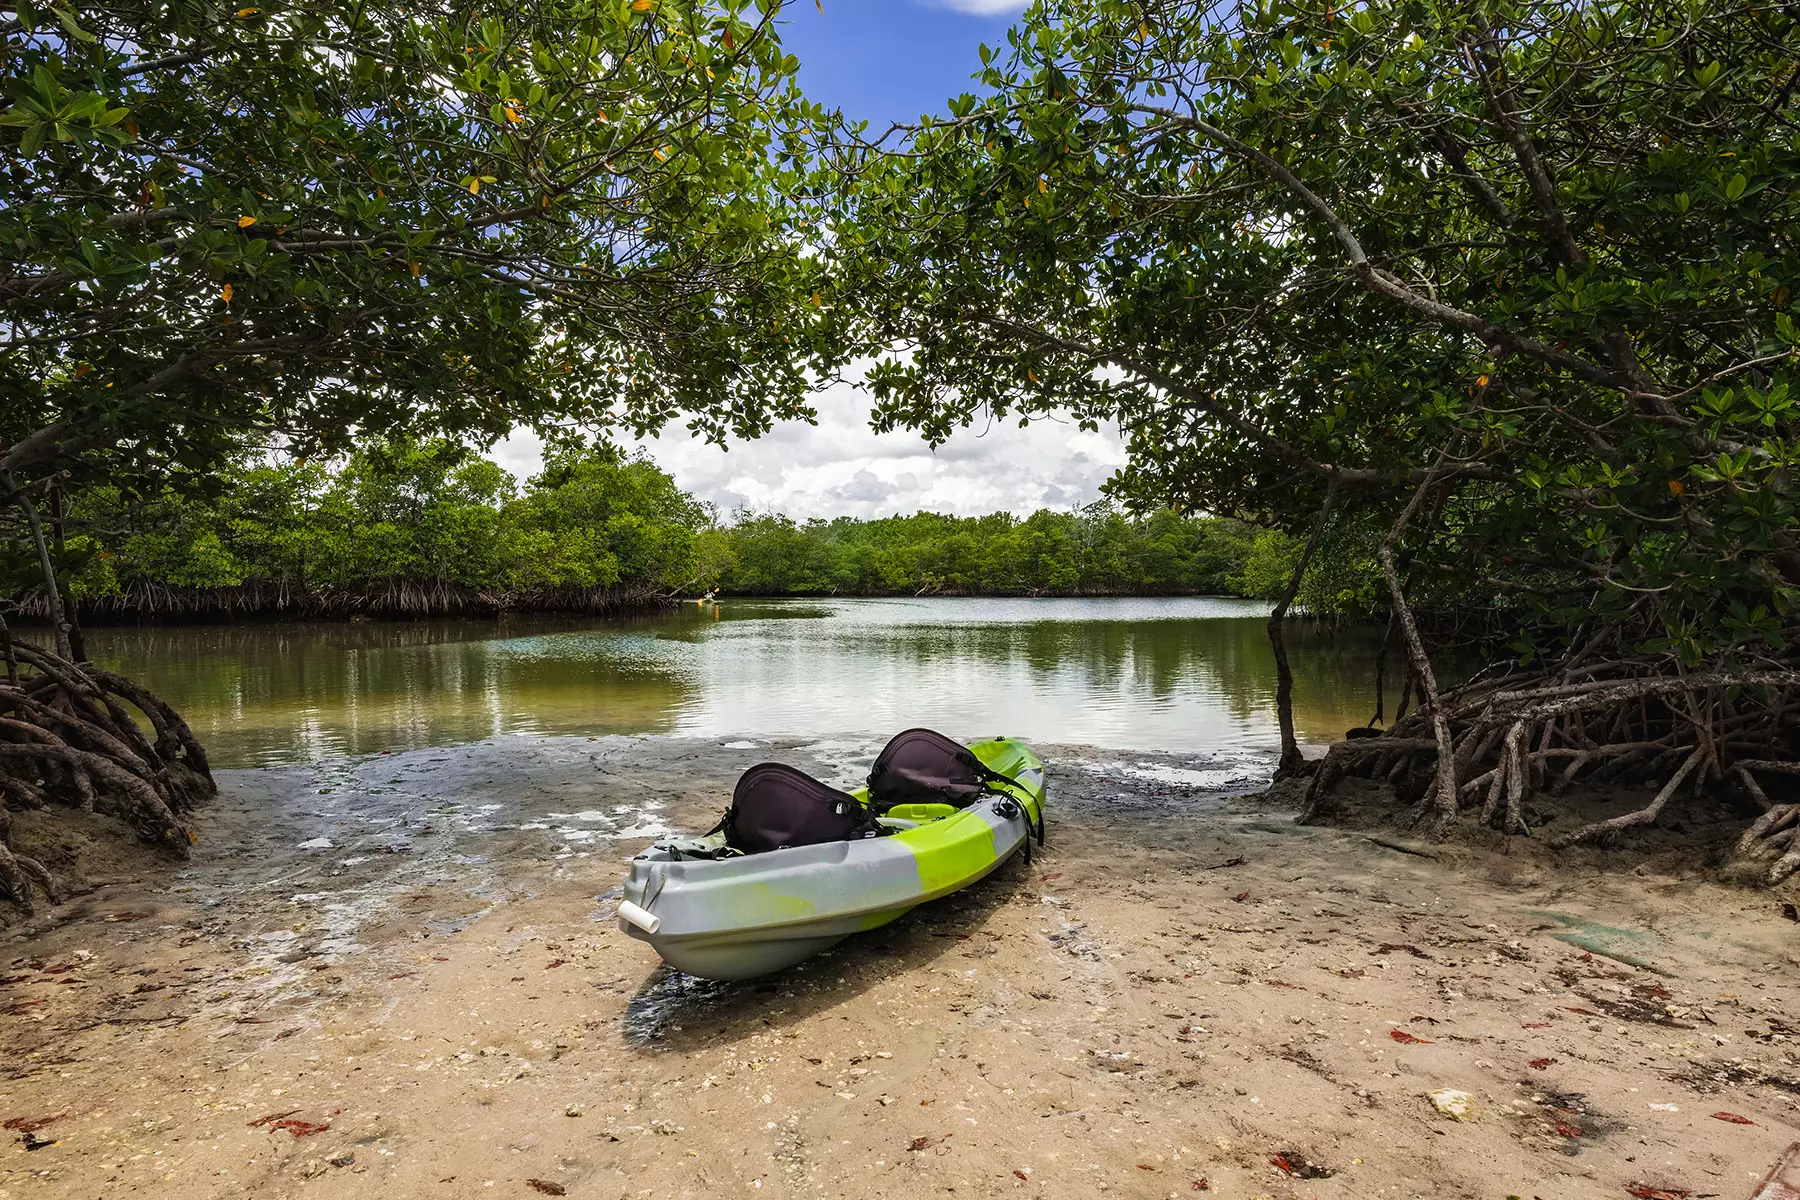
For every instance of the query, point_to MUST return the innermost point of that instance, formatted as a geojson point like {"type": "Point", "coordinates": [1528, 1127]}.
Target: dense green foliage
{"type": "Point", "coordinates": [328, 220]}
{"type": "Point", "coordinates": [401, 528]}
{"type": "Point", "coordinates": [1532, 259]}
{"type": "Point", "coordinates": [1097, 551]}
{"type": "Point", "coordinates": [396, 528]}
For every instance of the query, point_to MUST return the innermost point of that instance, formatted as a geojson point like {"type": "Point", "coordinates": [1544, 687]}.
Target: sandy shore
{"type": "Point", "coordinates": [400, 977]}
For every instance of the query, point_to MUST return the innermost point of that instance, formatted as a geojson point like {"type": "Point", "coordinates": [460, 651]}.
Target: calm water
{"type": "Point", "coordinates": [1179, 674]}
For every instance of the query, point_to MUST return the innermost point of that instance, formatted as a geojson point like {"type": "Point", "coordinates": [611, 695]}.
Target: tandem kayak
{"type": "Point", "coordinates": [744, 915]}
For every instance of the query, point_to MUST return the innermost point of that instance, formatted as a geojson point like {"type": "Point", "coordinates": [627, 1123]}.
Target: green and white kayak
{"type": "Point", "coordinates": [747, 915]}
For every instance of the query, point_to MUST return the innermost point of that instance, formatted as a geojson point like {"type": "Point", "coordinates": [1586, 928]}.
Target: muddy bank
{"type": "Point", "coordinates": [399, 976]}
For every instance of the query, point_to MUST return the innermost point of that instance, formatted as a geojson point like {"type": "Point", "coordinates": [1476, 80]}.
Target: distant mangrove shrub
{"type": "Point", "coordinates": [417, 529]}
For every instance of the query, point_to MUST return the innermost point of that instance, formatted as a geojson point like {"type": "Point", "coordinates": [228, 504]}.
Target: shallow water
{"type": "Point", "coordinates": [1189, 674]}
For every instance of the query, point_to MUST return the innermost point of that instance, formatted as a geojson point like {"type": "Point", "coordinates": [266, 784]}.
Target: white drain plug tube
{"type": "Point", "coordinates": [643, 918]}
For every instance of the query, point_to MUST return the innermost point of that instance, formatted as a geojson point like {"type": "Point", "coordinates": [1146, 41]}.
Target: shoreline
{"type": "Point", "coordinates": [1186, 987]}
{"type": "Point", "coordinates": [229, 607]}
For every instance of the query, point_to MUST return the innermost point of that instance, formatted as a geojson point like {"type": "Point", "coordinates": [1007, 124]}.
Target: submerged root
{"type": "Point", "coordinates": [69, 741]}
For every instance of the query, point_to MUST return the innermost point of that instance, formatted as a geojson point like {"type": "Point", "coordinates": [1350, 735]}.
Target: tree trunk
{"type": "Point", "coordinates": [77, 643]}
{"type": "Point", "coordinates": [1292, 761]}
{"type": "Point", "coordinates": [52, 596]}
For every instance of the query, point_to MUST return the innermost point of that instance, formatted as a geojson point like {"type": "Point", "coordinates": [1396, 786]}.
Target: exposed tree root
{"type": "Point", "coordinates": [67, 739]}
{"type": "Point", "coordinates": [1777, 831]}
{"type": "Point", "coordinates": [1488, 748]}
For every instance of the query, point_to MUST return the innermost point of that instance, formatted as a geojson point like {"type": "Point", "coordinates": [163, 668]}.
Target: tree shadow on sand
{"type": "Point", "coordinates": [672, 1010]}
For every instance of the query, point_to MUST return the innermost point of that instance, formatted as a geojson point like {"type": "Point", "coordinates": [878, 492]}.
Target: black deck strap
{"type": "Point", "coordinates": [992, 776]}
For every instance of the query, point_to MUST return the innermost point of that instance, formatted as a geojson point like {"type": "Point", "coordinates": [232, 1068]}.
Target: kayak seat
{"type": "Point", "coordinates": [921, 767]}
{"type": "Point", "coordinates": [776, 807]}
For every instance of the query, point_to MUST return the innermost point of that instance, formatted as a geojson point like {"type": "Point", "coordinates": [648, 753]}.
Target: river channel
{"type": "Point", "coordinates": [1186, 674]}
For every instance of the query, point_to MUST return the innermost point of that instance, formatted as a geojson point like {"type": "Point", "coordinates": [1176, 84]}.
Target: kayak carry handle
{"type": "Point", "coordinates": [643, 918]}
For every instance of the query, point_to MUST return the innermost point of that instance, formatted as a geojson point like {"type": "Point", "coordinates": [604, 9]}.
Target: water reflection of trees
{"type": "Point", "coordinates": [260, 693]}
{"type": "Point", "coordinates": [1226, 659]}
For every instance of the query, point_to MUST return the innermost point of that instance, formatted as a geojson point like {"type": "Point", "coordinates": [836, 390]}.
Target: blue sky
{"type": "Point", "coordinates": [883, 61]}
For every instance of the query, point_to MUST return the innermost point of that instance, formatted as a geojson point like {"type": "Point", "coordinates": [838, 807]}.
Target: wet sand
{"type": "Point", "coordinates": [400, 976]}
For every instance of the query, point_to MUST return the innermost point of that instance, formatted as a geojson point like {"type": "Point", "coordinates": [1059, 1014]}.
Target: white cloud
{"type": "Point", "coordinates": [840, 467]}
{"type": "Point", "coordinates": [982, 8]}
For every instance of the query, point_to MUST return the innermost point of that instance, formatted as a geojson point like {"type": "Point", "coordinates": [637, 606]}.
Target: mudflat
{"type": "Point", "coordinates": [401, 976]}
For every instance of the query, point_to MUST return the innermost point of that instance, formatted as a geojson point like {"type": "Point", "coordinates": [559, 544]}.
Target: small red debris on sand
{"type": "Point", "coordinates": [1145, 1167]}
{"type": "Point", "coordinates": [556, 963]}
{"type": "Point", "coordinates": [1644, 1191]}
{"type": "Point", "coordinates": [284, 1120]}
{"type": "Point", "coordinates": [918, 1143]}
{"type": "Point", "coordinates": [1566, 1129]}
{"type": "Point", "coordinates": [1240, 897]}
{"type": "Point", "coordinates": [1718, 1116]}
{"type": "Point", "coordinates": [1202, 1184]}
{"type": "Point", "coordinates": [1049, 877]}
{"type": "Point", "coordinates": [1021, 1174]}
{"type": "Point", "coordinates": [546, 1187]}
{"type": "Point", "coordinates": [439, 958]}
{"type": "Point", "coordinates": [33, 1124]}
{"type": "Point", "coordinates": [1296, 1164]}
{"type": "Point", "coordinates": [1538, 1064]}
{"type": "Point", "coordinates": [1407, 1039]}
{"type": "Point", "coordinates": [301, 1129]}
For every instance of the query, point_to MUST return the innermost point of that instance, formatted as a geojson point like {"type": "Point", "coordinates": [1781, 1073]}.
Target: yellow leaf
{"type": "Point", "coordinates": [415, 269]}
{"type": "Point", "coordinates": [246, 222]}
{"type": "Point", "coordinates": [1031, 374]}
{"type": "Point", "coordinates": [642, 5]}
{"type": "Point", "coordinates": [1042, 185]}
{"type": "Point", "coordinates": [247, 12]}
{"type": "Point", "coordinates": [662, 154]}
{"type": "Point", "coordinates": [1143, 32]}
{"type": "Point", "coordinates": [511, 109]}
{"type": "Point", "coordinates": [818, 300]}
{"type": "Point", "coordinates": [474, 187]}
{"type": "Point", "coordinates": [225, 293]}
{"type": "Point", "coordinates": [1481, 382]}
{"type": "Point", "coordinates": [820, 5]}
{"type": "Point", "coordinates": [1676, 487]}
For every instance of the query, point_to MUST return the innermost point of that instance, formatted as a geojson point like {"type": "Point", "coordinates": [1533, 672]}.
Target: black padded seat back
{"type": "Point", "coordinates": [922, 766]}
{"type": "Point", "coordinates": [775, 806]}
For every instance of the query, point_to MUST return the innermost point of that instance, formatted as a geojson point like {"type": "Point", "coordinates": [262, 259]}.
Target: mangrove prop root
{"type": "Point", "coordinates": [1514, 736]}
{"type": "Point", "coordinates": [69, 741]}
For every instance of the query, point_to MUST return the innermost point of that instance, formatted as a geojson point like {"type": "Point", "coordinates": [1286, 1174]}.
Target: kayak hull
{"type": "Point", "coordinates": [745, 916]}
